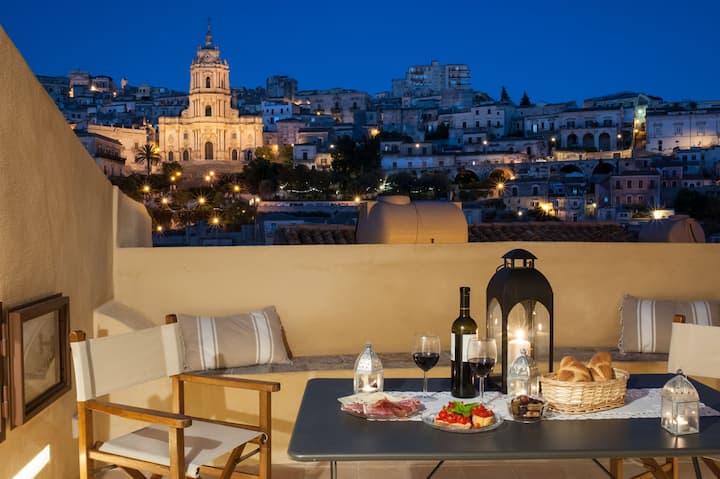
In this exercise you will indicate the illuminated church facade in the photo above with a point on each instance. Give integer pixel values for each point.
(209, 133)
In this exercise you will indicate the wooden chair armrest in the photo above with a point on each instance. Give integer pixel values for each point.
(226, 381)
(176, 421)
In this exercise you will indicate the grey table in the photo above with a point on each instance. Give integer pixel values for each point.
(323, 433)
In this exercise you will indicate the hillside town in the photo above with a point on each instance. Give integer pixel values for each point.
(617, 158)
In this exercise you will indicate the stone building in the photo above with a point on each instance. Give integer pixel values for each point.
(682, 128)
(209, 130)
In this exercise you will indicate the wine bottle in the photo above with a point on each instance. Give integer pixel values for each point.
(464, 328)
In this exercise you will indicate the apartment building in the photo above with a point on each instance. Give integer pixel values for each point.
(274, 111)
(594, 129)
(680, 128)
(105, 151)
(432, 79)
(281, 87)
(342, 104)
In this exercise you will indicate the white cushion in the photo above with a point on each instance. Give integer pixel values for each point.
(204, 442)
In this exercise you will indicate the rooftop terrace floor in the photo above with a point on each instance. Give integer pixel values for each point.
(536, 469)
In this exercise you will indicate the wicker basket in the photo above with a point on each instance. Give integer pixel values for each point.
(584, 397)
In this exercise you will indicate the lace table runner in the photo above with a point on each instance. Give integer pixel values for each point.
(639, 403)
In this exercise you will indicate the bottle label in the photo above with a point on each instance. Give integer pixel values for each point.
(465, 340)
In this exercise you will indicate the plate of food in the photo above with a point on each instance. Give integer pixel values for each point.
(457, 416)
(381, 406)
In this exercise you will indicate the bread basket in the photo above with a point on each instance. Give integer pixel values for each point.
(584, 397)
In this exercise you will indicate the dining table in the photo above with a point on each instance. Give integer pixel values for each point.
(322, 432)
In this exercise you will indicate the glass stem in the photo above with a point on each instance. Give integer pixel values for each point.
(481, 380)
(424, 382)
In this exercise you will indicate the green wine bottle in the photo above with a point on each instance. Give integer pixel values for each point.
(464, 328)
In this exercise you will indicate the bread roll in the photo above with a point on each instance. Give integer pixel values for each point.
(602, 357)
(602, 372)
(567, 360)
(600, 366)
(574, 372)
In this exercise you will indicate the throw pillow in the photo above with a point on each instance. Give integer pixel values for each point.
(646, 324)
(244, 339)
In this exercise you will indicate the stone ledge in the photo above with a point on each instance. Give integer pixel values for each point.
(404, 360)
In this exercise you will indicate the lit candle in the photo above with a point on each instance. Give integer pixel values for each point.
(543, 344)
(682, 424)
(515, 346)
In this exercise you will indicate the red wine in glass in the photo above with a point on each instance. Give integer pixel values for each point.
(426, 353)
(482, 354)
(426, 361)
(481, 366)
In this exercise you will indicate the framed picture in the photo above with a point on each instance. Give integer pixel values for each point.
(3, 373)
(39, 355)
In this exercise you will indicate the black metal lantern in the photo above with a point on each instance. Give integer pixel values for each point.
(519, 315)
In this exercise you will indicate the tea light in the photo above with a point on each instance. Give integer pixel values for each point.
(682, 424)
(515, 346)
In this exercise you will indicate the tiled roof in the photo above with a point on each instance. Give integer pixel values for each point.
(550, 231)
(314, 234)
(483, 232)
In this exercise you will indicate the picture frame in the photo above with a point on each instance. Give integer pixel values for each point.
(3, 373)
(39, 355)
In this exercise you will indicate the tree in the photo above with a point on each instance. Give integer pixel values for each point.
(149, 155)
(170, 168)
(504, 97)
(525, 100)
(260, 170)
(402, 182)
(352, 161)
(436, 185)
(264, 152)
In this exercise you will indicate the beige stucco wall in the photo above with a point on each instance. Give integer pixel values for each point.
(55, 236)
(331, 299)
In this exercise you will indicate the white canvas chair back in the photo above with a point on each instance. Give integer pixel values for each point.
(693, 348)
(103, 365)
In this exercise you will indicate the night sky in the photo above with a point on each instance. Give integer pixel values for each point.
(554, 50)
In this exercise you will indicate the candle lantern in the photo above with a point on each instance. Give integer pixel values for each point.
(522, 378)
(519, 315)
(369, 375)
(680, 406)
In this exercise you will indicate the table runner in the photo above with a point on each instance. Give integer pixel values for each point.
(639, 403)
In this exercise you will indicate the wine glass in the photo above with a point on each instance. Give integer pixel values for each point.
(426, 354)
(482, 354)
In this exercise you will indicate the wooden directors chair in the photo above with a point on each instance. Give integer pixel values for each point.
(693, 348)
(173, 444)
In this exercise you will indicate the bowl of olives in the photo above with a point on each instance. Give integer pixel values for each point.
(526, 409)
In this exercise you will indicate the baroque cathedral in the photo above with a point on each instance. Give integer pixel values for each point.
(209, 133)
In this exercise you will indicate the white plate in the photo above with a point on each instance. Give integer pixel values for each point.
(429, 419)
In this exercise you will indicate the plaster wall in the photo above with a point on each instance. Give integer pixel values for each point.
(55, 236)
(331, 299)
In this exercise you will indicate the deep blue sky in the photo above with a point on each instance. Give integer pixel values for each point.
(554, 50)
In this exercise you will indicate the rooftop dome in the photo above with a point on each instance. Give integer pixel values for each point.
(396, 219)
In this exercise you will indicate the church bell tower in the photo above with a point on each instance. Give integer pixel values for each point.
(209, 83)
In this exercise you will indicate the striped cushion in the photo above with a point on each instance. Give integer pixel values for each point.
(646, 324)
(243, 339)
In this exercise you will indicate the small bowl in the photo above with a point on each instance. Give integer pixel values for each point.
(526, 409)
